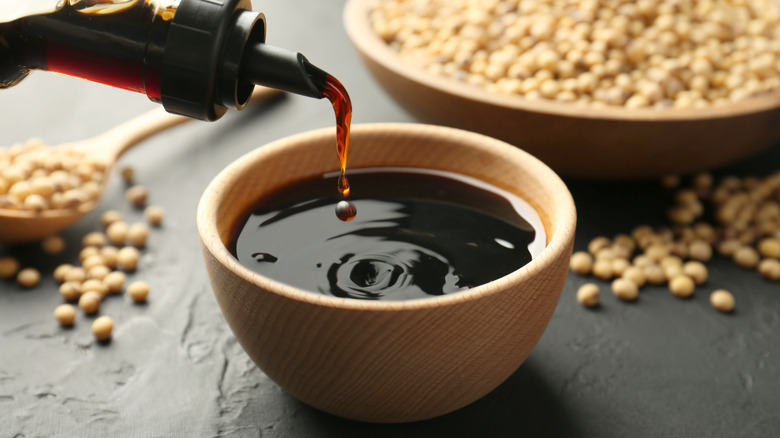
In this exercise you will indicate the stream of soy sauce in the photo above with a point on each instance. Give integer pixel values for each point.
(335, 92)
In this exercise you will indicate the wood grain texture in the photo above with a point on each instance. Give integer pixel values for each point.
(388, 361)
(602, 143)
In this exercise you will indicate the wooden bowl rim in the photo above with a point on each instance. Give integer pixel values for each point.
(557, 246)
(370, 45)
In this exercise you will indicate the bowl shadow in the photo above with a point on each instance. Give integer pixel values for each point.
(524, 405)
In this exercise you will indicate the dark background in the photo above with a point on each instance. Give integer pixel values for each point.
(658, 367)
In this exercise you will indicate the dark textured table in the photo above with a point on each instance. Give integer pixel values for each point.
(658, 367)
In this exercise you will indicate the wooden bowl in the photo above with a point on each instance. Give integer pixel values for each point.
(603, 143)
(387, 361)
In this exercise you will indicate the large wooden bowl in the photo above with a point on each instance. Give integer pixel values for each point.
(603, 143)
(384, 361)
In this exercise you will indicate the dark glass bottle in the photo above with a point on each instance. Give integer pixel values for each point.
(196, 57)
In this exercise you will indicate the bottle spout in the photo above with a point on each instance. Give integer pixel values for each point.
(282, 69)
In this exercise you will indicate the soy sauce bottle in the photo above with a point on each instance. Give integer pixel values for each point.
(196, 57)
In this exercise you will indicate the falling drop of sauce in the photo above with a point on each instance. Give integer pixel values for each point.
(346, 210)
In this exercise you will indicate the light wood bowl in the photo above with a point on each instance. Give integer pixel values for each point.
(597, 143)
(384, 361)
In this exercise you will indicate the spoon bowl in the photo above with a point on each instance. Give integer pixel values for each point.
(20, 226)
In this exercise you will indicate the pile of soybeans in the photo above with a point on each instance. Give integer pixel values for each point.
(36, 178)
(630, 53)
(736, 218)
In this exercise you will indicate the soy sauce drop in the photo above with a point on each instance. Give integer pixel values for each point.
(345, 210)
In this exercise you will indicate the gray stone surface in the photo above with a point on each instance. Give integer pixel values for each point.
(658, 367)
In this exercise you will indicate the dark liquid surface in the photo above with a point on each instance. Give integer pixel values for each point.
(419, 234)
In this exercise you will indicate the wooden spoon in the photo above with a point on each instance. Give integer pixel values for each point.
(19, 226)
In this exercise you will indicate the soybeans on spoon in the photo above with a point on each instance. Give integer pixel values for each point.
(20, 226)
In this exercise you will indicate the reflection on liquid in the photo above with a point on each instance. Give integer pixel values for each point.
(418, 235)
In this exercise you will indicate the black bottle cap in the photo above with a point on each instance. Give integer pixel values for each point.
(202, 56)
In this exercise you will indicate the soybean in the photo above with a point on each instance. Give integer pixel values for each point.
(89, 302)
(9, 266)
(137, 234)
(102, 328)
(722, 300)
(697, 271)
(581, 263)
(116, 232)
(70, 290)
(53, 245)
(770, 269)
(588, 295)
(115, 281)
(109, 217)
(154, 215)
(28, 277)
(682, 286)
(60, 272)
(138, 291)
(127, 258)
(625, 289)
(137, 195)
(746, 257)
(65, 314)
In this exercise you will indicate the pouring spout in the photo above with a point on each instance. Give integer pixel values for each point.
(282, 69)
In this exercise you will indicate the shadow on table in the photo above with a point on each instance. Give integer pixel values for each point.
(524, 405)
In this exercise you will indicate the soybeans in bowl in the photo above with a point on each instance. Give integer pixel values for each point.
(618, 89)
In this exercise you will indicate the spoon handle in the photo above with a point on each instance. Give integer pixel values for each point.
(120, 138)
